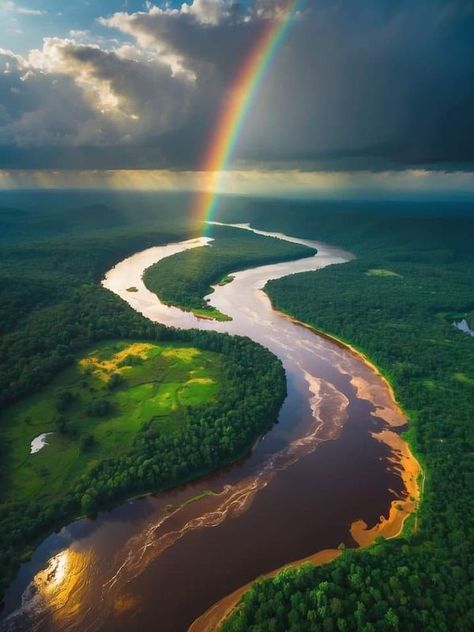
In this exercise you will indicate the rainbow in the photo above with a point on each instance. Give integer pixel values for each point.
(237, 105)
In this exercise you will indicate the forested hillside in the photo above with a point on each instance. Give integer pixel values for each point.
(395, 303)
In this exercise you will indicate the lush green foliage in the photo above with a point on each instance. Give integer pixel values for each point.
(185, 278)
(94, 410)
(402, 321)
(53, 309)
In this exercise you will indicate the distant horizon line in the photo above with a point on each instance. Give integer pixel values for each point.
(348, 197)
(289, 183)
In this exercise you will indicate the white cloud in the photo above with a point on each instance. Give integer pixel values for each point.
(74, 94)
(208, 11)
(7, 6)
(122, 82)
(204, 11)
(57, 56)
(172, 31)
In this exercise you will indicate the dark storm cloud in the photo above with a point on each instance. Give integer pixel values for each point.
(370, 84)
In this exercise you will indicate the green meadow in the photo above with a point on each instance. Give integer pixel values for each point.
(95, 409)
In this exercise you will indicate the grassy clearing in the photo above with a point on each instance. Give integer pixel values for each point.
(381, 272)
(210, 313)
(463, 378)
(228, 278)
(96, 408)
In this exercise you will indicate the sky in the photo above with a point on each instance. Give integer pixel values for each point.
(111, 89)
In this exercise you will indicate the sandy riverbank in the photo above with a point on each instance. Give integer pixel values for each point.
(402, 461)
(409, 469)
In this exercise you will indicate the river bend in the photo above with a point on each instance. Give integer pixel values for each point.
(158, 563)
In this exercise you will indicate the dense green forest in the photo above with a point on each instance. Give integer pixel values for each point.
(395, 302)
(53, 309)
(94, 409)
(185, 278)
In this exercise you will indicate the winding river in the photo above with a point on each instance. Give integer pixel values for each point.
(332, 470)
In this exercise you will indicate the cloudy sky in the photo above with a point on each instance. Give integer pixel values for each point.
(367, 86)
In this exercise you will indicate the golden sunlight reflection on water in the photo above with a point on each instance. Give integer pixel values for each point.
(58, 586)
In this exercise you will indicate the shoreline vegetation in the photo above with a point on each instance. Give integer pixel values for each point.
(228, 278)
(186, 279)
(402, 458)
(400, 509)
(215, 616)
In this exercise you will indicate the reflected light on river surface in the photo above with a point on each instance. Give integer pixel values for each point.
(57, 587)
